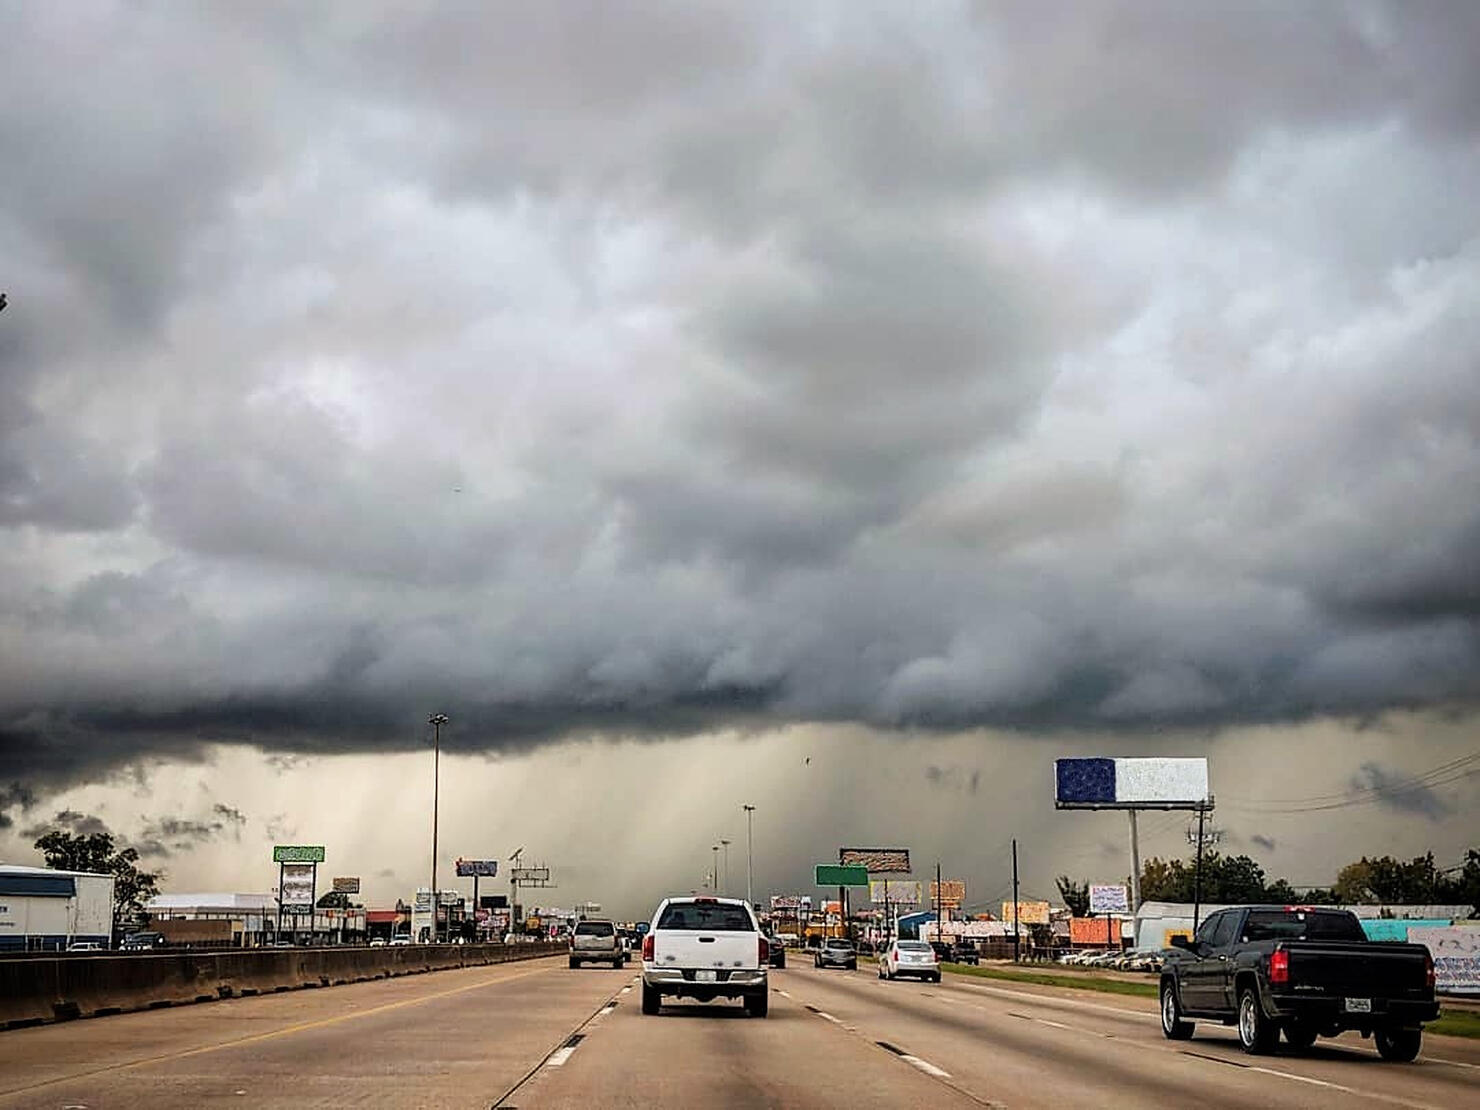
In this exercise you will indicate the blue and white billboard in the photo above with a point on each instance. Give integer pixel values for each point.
(1130, 783)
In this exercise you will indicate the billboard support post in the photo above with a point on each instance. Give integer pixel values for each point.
(1135, 864)
(1015, 912)
(1197, 875)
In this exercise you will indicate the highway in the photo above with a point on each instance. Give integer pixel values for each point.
(537, 1034)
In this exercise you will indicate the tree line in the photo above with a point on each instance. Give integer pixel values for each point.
(1241, 879)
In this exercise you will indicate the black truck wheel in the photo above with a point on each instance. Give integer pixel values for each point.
(1173, 1027)
(757, 1005)
(1399, 1045)
(1301, 1034)
(652, 1001)
(1256, 1033)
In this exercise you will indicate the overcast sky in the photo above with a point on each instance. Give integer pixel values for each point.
(675, 383)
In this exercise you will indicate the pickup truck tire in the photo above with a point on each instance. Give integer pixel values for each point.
(1301, 1035)
(652, 1001)
(1256, 1033)
(1399, 1045)
(1173, 1027)
(757, 1005)
(574, 963)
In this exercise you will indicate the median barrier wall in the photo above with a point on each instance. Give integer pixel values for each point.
(58, 988)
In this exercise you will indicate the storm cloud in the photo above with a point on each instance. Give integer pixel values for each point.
(639, 371)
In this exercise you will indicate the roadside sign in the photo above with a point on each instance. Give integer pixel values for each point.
(1108, 899)
(1029, 913)
(877, 860)
(833, 874)
(298, 853)
(297, 890)
(347, 884)
(470, 868)
(949, 892)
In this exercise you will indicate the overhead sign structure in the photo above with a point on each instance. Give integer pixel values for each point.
(897, 892)
(1131, 784)
(296, 886)
(477, 868)
(1029, 913)
(949, 892)
(298, 853)
(877, 861)
(839, 874)
(1109, 899)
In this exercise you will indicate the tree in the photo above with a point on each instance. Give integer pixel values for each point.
(95, 852)
(333, 900)
(1075, 895)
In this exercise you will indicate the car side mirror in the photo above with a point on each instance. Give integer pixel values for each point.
(1180, 941)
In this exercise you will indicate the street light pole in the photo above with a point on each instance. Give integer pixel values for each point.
(725, 886)
(436, 720)
(714, 873)
(749, 854)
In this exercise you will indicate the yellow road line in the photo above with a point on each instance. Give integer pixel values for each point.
(285, 1031)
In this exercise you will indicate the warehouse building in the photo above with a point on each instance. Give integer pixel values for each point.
(42, 910)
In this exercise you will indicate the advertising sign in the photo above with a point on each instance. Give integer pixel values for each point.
(483, 868)
(897, 892)
(298, 853)
(297, 890)
(950, 892)
(347, 884)
(1030, 913)
(493, 901)
(1130, 783)
(1094, 930)
(784, 901)
(1456, 953)
(838, 874)
(1109, 899)
(877, 860)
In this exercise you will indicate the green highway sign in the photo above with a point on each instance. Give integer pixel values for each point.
(298, 853)
(835, 874)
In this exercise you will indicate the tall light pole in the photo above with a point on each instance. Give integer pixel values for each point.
(436, 720)
(725, 886)
(749, 854)
(714, 875)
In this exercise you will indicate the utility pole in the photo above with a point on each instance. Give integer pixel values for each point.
(436, 720)
(1197, 873)
(1016, 941)
(749, 853)
(939, 900)
(725, 886)
(714, 874)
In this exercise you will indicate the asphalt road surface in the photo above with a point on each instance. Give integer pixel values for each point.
(537, 1034)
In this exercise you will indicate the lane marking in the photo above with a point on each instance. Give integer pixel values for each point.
(285, 1031)
(927, 1067)
(608, 1008)
(558, 1058)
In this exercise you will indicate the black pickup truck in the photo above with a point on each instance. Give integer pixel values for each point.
(1303, 971)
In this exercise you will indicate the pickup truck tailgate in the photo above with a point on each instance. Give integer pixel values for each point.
(696, 948)
(1344, 969)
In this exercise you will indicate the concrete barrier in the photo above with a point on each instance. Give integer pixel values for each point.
(60, 987)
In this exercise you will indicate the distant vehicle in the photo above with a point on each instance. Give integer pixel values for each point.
(954, 954)
(705, 948)
(1303, 971)
(836, 952)
(790, 940)
(777, 950)
(377, 942)
(85, 946)
(909, 958)
(143, 942)
(399, 941)
(596, 941)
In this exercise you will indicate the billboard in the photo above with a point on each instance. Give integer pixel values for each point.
(840, 874)
(493, 901)
(950, 892)
(1130, 783)
(297, 889)
(877, 860)
(1094, 930)
(897, 892)
(1109, 899)
(1029, 913)
(1456, 953)
(347, 884)
(483, 868)
(298, 853)
(784, 901)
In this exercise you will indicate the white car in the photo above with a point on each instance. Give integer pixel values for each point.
(397, 942)
(705, 948)
(377, 942)
(909, 958)
(84, 946)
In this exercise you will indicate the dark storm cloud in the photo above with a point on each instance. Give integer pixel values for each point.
(72, 821)
(640, 371)
(1400, 793)
(17, 796)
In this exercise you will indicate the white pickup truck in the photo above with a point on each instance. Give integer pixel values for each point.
(705, 948)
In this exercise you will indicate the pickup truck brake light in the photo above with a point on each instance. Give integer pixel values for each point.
(764, 952)
(647, 947)
(1428, 970)
(1279, 966)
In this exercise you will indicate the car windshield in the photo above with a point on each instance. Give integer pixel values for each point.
(1302, 925)
(595, 929)
(717, 917)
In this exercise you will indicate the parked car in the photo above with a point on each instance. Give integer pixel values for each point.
(836, 952)
(776, 950)
(377, 942)
(1302, 971)
(596, 941)
(400, 940)
(912, 958)
(85, 946)
(144, 941)
(705, 948)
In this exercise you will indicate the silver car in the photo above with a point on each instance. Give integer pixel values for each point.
(836, 952)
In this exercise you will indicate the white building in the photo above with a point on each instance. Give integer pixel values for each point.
(247, 920)
(45, 910)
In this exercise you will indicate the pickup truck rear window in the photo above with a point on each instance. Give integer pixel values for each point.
(709, 917)
(1302, 925)
(595, 929)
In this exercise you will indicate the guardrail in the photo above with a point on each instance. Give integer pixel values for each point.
(58, 988)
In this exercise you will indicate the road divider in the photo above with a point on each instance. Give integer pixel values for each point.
(60, 988)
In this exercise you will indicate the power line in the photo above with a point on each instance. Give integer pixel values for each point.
(1442, 775)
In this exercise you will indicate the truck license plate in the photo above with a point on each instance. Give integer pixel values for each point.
(1359, 1005)
(704, 976)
